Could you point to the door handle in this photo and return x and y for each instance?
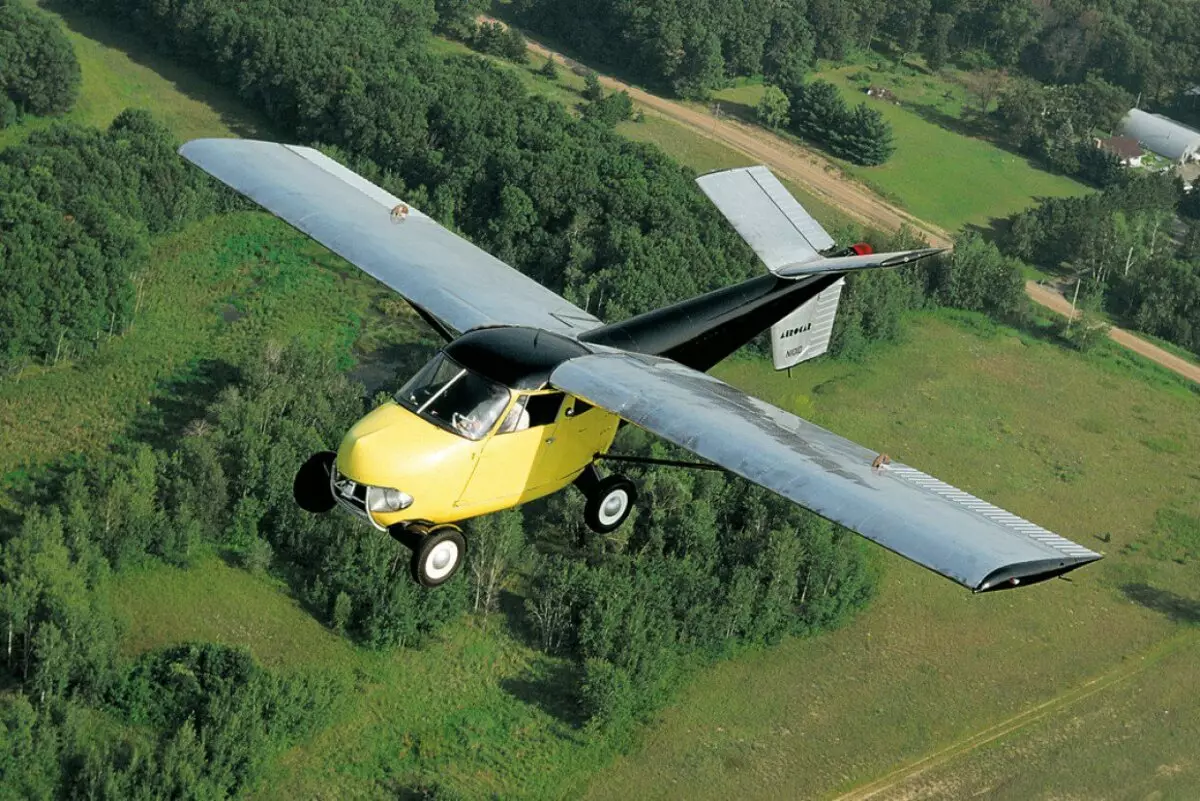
(550, 440)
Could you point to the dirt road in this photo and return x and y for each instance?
(1056, 302)
(826, 180)
(818, 175)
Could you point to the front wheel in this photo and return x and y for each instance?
(311, 487)
(437, 556)
(609, 503)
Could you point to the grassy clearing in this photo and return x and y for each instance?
(120, 71)
(1054, 437)
(476, 710)
(213, 293)
(939, 174)
(1133, 741)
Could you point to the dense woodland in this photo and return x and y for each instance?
(1148, 47)
(39, 73)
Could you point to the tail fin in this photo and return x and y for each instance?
(792, 245)
(804, 334)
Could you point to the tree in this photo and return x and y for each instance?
(1189, 205)
(342, 608)
(937, 44)
(457, 17)
(868, 137)
(772, 109)
(608, 111)
(592, 90)
(496, 542)
(549, 69)
(38, 69)
(986, 85)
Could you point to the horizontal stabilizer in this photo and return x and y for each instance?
(845, 264)
(766, 215)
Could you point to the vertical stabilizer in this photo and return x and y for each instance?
(804, 334)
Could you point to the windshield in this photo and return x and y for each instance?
(448, 394)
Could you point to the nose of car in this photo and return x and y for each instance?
(393, 447)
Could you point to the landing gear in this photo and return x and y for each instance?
(311, 487)
(609, 502)
(437, 552)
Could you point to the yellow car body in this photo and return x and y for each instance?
(452, 478)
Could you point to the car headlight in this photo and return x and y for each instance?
(386, 499)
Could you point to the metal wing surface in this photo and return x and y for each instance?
(919, 517)
(441, 272)
(766, 215)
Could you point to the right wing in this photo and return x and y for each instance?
(919, 517)
(436, 270)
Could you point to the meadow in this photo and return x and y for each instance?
(1067, 441)
(119, 71)
(939, 172)
(1081, 445)
(1088, 445)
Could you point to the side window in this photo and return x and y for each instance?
(543, 409)
(517, 419)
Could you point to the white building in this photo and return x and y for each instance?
(1161, 135)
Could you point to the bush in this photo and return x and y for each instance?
(257, 555)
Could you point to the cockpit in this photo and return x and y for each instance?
(451, 396)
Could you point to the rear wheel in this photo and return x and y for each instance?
(311, 487)
(437, 556)
(609, 503)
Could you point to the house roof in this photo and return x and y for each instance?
(1162, 135)
(1123, 146)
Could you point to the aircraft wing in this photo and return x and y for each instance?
(919, 517)
(442, 273)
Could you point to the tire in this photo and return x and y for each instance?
(438, 556)
(311, 488)
(609, 504)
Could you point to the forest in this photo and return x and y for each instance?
(79, 208)
(1147, 47)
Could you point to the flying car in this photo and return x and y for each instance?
(529, 391)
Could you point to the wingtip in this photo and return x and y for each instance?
(1025, 573)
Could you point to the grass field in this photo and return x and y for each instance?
(120, 71)
(1083, 445)
(937, 173)
(1069, 442)
(461, 711)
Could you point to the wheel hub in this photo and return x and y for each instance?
(442, 559)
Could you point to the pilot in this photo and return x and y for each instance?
(518, 418)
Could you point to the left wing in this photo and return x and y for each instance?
(440, 272)
(932, 523)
